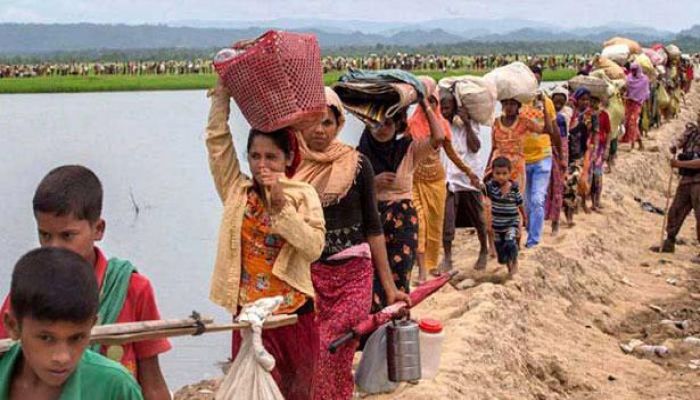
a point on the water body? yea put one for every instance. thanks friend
(149, 145)
(148, 149)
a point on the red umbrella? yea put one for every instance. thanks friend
(396, 310)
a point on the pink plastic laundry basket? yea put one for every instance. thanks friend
(276, 79)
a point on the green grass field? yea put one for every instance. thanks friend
(110, 83)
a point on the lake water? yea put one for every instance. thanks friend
(146, 144)
(151, 145)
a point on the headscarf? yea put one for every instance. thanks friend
(561, 90)
(332, 172)
(580, 92)
(418, 125)
(384, 156)
(296, 152)
(637, 84)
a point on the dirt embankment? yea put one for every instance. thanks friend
(554, 332)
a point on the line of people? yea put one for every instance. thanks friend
(332, 228)
(404, 61)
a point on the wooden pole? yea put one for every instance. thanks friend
(668, 205)
(118, 334)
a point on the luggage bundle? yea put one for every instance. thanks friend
(633, 46)
(619, 53)
(611, 69)
(276, 79)
(647, 66)
(615, 86)
(673, 52)
(597, 86)
(514, 81)
(373, 96)
(478, 95)
(656, 57)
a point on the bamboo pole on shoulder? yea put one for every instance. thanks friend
(119, 334)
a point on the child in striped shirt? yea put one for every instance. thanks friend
(507, 209)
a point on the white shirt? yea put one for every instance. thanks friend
(456, 179)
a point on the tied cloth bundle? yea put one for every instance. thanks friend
(249, 376)
(373, 96)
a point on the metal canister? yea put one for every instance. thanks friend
(403, 351)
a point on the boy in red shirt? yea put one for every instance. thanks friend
(67, 208)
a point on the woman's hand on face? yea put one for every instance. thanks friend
(385, 179)
(271, 182)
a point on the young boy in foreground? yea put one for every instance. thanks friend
(507, 209)
(67, 208)
(54, 307)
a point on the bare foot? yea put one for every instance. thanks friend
(445, 266)
(481, 262)
(555, 228)
(512, 268)
(422, 277)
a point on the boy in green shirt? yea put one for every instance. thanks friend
(54, 302)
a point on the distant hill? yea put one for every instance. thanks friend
(693, 32)
(38, 38)
(460, 35)
(465, 27)
(597, 35)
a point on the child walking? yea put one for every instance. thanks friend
(507, 209)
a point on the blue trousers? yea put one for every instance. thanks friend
(537, 175)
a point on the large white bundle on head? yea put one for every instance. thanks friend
(597, 86)
(478, 95)
(619, 53)
(249, 376)
(673, 51)
(514, 81)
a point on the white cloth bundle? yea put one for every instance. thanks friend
(249, 376)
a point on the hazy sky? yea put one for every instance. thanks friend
(667, 14)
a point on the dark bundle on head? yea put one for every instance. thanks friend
(52, 284)
(400, 120)
(501, 162)
(285, 140)
(70, 190)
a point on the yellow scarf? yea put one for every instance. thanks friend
(332, 172)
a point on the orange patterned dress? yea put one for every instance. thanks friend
(508, 142)
(259, 252)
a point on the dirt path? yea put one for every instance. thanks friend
(554, 332)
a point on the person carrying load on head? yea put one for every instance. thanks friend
(272, 229)
(429, 188)
(636, 94)
(464, 205)
(394, 157)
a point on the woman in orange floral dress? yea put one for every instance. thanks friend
(509, 132)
